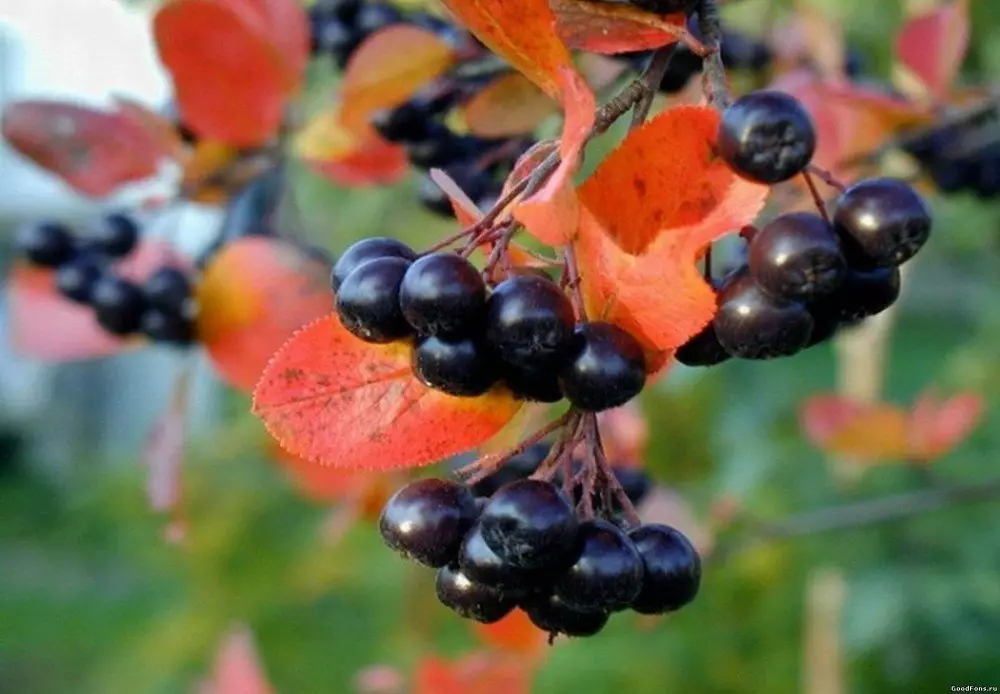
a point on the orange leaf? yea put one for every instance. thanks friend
(230, 83)
(253, 295)
(335, 400)
(823, 415)
(937, 427)
(48, 327)
(514, 634)
(349, 156)
(605, 27)
(389, 67)
(509, 105)
(877, 434)
(933, 44)
(647, 213)
(93, 151)
(476, 673)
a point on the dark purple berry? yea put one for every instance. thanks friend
(76, 278)
(115, 236)
(534, 385)
(529, 321)
(482, 565)
(634, 481)
(433, 198)
(826, 321)
(751, 324)
(373, 16)
(426, 520)
(665, 6)
(170, 327)
(767, 137)
(443, 294)
(365, 250)
(46, 244)
(549, 613)
(607, 575)
(414, 121)
(882, 221)
(472, 600)
(672, 569)
(368, 301)
(605, 368)
(862, 294)
(168, 289)
(704, 349)
(797, 256)
(458, 367)
(530, 524)
(118, 304)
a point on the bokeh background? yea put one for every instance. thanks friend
(95, 598)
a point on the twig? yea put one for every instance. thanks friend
(652, 78)
(488, 464)
(827, 177)
(572, 274)
(817, 198)
(712, 70)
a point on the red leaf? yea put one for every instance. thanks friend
(477, 673)
(163, 452)
(514, 634)
(509, 105)
(287, 27)
(335, 400)
(231, 80)
(47, 327)
(237, 667)
(349, 156)
(869, 433)
(823, 415)
(93, 151)
(254, 294)
(605, 27)
(937, 427)
(933, 44)
(647, 214)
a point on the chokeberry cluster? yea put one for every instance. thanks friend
(525, 546)
(161, 308)
(954, 165)
(805, 277)
(469, 336)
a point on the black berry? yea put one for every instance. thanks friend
(426, 520)
(529, 321)
(535, 385)
(797, 256)
(365, 250)
(482, 565)
(115, 236)
(530, 524)
(607, 575)
(443, 294)
(549, 613)
(162, 325)
(751, 324)
(672, 569)
(458, 367)
(882, 221)
(168, 289)
(472, 600)
(704, 349)
(373, 16)
(606, 368)
(118, 304)
(861, 295)
(665, 6)
(368, 301)
(76, 278)
(634, 481)
(47, 244)
(767, 136)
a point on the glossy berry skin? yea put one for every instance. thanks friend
(75, 279)
(365, 250)
(458, 367)
(751, 324)
(118, 305)
(426, 520)
(534, 385)
(170, 327)
(46, 244)
(607, 575)
(671, 569)
(530, 524)
(471, 600)
(605, 368)
(549, 613)
(882, 221)
(482, 565)
(797, 256)
(443, 294)
(704, 349)
(767, 137)
(168, 289)
(529, 321)
(862, 294)
(115, 236)
(368, 301)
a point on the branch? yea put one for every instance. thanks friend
(713, 72)
(652, 78)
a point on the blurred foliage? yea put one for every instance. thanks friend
(93, 600)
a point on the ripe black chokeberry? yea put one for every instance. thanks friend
(365, 250)
(76, 278)
(530, 524)
(118, 304)
(162, 325)
(665, 6)
(472, 600)
(535, 385)
(634, 481)
(433, 198)
(443, 294)
(549, 613)
(672, 569)
(168, 289)
(458, 367)
(368, 301)
(482, 565)
(751, 324)
(115, 235)
(767, 136)
(607, 575)
(797, 256)
(414, 120)
(529, 321)
(862, 294)
(605, 368)
(882, 221)
(373, 16)
(46, 244)
(426, 520)
(704, 349)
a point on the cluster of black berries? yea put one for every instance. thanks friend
(468, 336)
(954, 166)
(161, 309)
(524, 546)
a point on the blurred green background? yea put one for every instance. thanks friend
(93, 600)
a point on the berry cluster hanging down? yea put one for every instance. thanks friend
(161, 309)
(954, 161)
